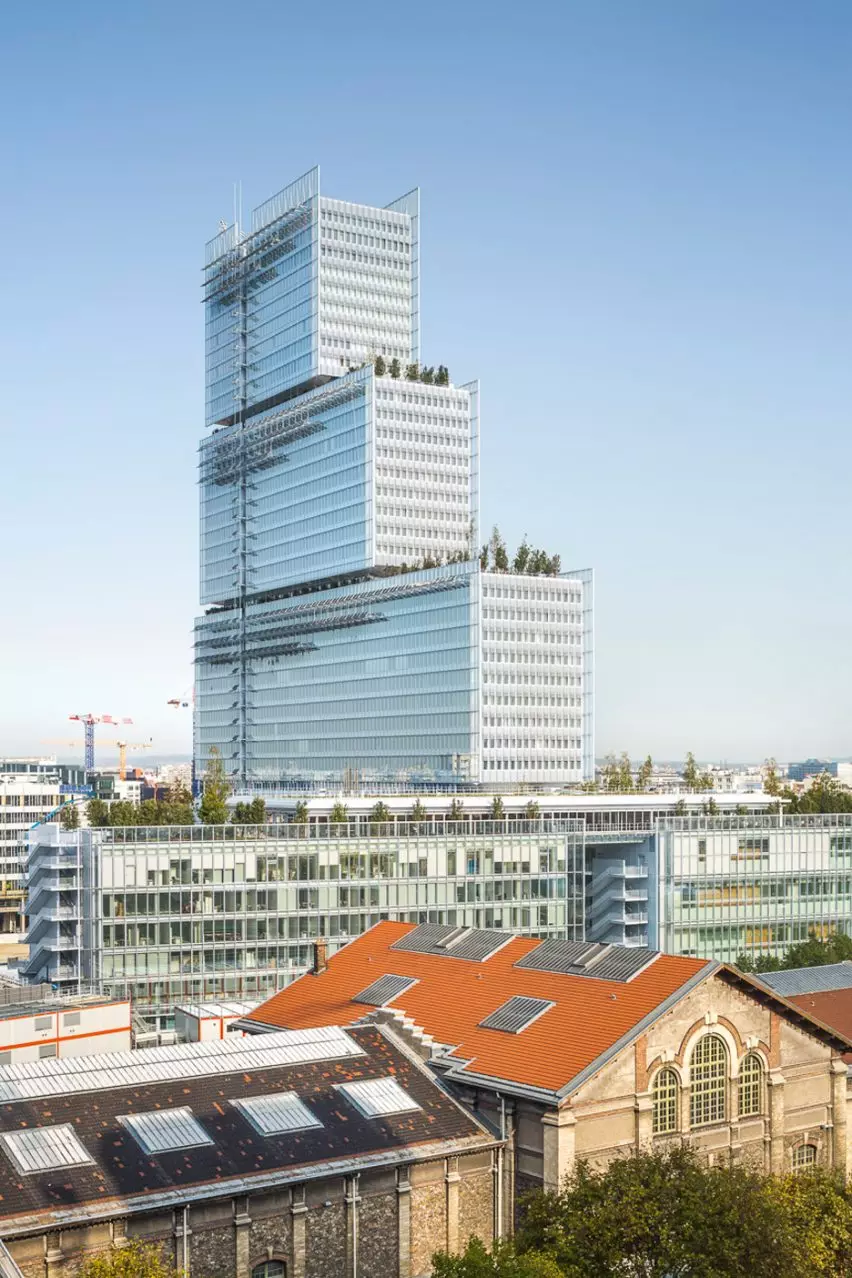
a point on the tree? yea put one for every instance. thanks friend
(213, 810)
(680, 807)
(418, 813)
(771, 784)
(69, 817)
(497, 553)
(97, 813)
(690, 772)
(380, 366)
(301, 815)
(483, 558)
(522, 557)
(456, 812)
(412, 372)
(131, 1260)
(442, 377)
(625, 774)
(339, 814)
(645, 773)
(666, 1215)
(427, 376)
(498, 812)
(394, 368)
(380, 816)
(503, 1262)
(257, 812)
(122, 812)
(532, 811)
(824, 794)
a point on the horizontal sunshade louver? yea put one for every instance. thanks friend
(278, 1113)
(162, 1130)
(384, 990)
(516, 1014)
(375, 1097)
(42, 1149)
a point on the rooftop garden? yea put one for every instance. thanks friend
(526, 561)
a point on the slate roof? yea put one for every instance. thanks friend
(453, 996)
(121, 1169)
(809, 980)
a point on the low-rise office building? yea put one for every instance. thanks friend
(574, 1050)
(29, 791)
(301, 1154)
(50, 1025)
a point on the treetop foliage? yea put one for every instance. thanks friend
(814, 952)
(132, 1260)
(665, 1215)
(494, 557)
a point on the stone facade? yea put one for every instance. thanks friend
(382, 1223)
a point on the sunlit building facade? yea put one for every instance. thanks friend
(346, 630)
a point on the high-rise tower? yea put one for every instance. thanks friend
(345, 628)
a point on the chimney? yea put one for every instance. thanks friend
(320, 956)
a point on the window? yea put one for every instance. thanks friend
(664, 1091)
(270, 1269)
(43, 1022)
(751, 1086)
(46, 1051)
(708, 1079)
(71, 1018)
(804, 1158)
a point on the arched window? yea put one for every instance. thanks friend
(664, 1090)
(751, 1086)
(804, 1158)
(708, 1071)
(270, 1269)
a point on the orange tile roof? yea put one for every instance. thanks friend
(452, 996)
(832, 1007)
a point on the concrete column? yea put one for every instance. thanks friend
(452, 1180)
(839, 1152)
(242, 1238)
(643, 1111)
(403, 1211)
(298, 1220)
(559, 1146)
(776, 1122)
(53, 1257)
(351, 1200)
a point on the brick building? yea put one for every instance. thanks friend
(574, 1050)
(293, 1155)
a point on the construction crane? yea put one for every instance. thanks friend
(123, 747)
(183, 702)
(88, 721)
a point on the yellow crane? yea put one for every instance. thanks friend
(123, 747)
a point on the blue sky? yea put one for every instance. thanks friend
(636, 233)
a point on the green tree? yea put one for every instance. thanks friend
(645, 773)
(412, 372)
(680, 807)
(418, 813)
(213, 809)
(69, 817)
(532, 811)
(825, 794)
(151, 812)
(339, 814)
(625, 774)
(611, 774)
(522, 557)
(427, 376)
(301, 816)
(771, 784)
(442, 377)
(380, 818)
(712, 807)
(503, 1262)
(122, 812)
(179, 794)
(483, 558)
(394, 368)
(456, 812)
(257, 812)
(665, 1215)
(497, 554)
(97, 813)
(690, 772)
(380, 366)
(497, 812)
(554, 566)
(131, 1260)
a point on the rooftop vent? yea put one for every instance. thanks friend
(41, 1149)
(376, 1097)
(516, 1014)
(385, 990)
(162, 1130)
(273, 1115)
(582, 958)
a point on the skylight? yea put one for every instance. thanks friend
(41, 1149)
(516, 1014)
(375, 1097)
(385, 990)
(278, 1113)
(162, 1130)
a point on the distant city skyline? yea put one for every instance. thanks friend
(635, 228)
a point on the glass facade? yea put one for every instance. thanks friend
(192, 912)
(324, 477)
(362, 680)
